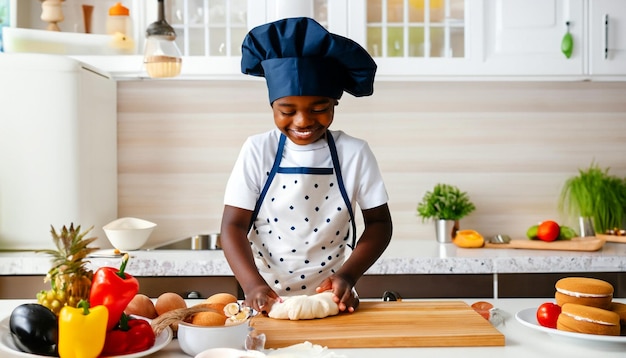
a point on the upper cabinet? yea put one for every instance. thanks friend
(607, 38)
(416, 37)
(407, 38)
(433, 38)
(525, 37)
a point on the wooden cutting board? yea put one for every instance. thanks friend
(612, 238)
(387, 324)
(589, 243)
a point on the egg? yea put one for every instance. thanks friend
(141, 305)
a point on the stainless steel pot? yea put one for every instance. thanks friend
(196, 242)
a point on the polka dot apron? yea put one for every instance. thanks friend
(301, 225)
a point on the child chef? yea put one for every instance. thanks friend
(288, 226)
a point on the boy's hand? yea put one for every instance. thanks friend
(261, 298)
(343, 294)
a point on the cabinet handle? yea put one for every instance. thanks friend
(606, 36)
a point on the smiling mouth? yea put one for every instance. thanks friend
(302, 133)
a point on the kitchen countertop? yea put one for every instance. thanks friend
(401, 257)
(520, 341)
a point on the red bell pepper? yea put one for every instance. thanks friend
(132, 335)
(114, 289)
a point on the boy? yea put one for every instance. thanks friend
(288, 217)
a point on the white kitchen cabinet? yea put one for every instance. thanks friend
(417, 37)
(409, 39)
(218, 27)
(607, 38)
(58, 149)
(523, 37)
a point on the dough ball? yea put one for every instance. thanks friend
(305, 307)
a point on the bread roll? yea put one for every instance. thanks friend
(584, 291)
(586, 319)
(620, 309)
(209, 319)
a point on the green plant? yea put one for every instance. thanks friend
(445, 202)
(595, 194)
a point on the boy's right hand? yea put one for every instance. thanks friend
(261, 298)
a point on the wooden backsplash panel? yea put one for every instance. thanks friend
(510, 145)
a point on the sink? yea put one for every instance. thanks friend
(197, 242)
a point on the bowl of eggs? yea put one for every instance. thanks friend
(224, 324)
(194, 339)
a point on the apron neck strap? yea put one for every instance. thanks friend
(270, 178)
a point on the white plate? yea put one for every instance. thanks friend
(7, 345)
(528, 318)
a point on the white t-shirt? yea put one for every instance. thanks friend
(361, 175)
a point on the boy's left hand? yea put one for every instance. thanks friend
(343, 294)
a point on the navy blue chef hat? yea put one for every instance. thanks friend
(299, 57)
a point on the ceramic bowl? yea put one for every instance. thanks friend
(194, 339)
(127, 234)
(229, 353)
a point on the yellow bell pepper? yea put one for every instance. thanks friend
(82, 331)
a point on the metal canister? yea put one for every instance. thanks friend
(214, 241)
(200, 242)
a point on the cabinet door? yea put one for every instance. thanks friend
(417, 37)
(607, 37)
(523, 37)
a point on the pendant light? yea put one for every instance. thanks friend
(162, 57)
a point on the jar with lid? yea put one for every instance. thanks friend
(119, 20)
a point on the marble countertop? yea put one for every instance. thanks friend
(401, 257)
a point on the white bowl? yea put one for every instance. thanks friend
(229, 353)
(127, 234)
(194, 339)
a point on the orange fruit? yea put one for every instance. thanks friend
(548, 231)
(468, 239)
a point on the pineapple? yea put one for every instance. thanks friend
(70, 280)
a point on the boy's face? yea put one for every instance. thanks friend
(304, 119)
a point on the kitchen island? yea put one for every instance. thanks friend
(520, 341)
(414, 264)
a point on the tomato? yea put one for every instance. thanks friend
(483, 308)
(548, 231)
(547, 314)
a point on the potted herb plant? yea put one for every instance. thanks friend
(597, 198)
(445, 205)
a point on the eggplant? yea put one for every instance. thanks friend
(34, 329)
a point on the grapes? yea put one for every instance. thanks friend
(50, 295)
(60, 295)
(56, 305)
(72, 301)
(53, 300)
